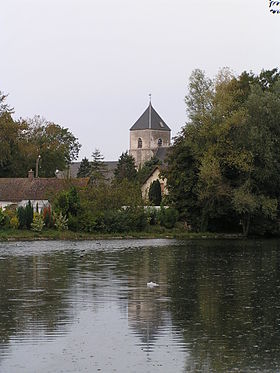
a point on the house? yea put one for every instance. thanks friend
(154, 175)
(18, 191)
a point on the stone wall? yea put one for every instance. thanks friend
(150, 143)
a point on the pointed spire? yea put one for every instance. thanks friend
(150, 120)
(150, 111)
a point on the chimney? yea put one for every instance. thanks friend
(30, 174)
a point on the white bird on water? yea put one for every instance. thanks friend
(152, 284)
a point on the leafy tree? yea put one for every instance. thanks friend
(102, 197)
(56, 145)
(84, 169)
(200, 98)
(224, 165)
(182, 175)
(13, 147)
(4, 107)
(126, 168)
(9, 135)
(68, 202)
(155, 193)
(24, 140)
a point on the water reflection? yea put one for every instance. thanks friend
(85, 306)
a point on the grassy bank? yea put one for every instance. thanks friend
(51, 234)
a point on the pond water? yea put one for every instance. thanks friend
(86, 307)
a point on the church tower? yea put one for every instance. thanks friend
(149, 136)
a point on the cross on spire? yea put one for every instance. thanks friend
(150, 111)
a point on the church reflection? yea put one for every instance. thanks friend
(147, 308)
(147, 314)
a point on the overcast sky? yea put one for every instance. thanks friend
(89, 65)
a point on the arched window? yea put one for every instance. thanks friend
(159, 142)
(139, 142)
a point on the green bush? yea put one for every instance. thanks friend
(25, 216)
(21, 217)
(60, 222)
(168, 217)
(115, 221)
(61, 202)
(152, 216)
(68, 202)
(2, 217)
(112, 221)
(29, 215)
(91, 222)
(47, 216)
(73, 223)
(125, 220)
(138, 218)
(38, 222)
(14, 223)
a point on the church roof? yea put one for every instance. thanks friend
(109, 168)
(150, 119)
(18, 189)
(162, 153)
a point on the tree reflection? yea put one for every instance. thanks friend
(227, 303)
(222, 296)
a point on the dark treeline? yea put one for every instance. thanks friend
(223, 172)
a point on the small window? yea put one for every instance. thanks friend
(159, 142)
(139, 143)
(161, 124)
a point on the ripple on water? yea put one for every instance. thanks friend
(70, 306)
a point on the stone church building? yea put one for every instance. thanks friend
(149, 136)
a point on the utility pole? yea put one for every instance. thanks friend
(37, 166)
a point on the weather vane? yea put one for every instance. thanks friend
(150, 96)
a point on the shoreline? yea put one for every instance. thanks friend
(53, 235)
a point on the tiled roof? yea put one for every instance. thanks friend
(150, 119)
(18, 189)
(162, 153)
(110, 167)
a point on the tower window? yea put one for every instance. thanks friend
(159, 142)
(139, 143)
